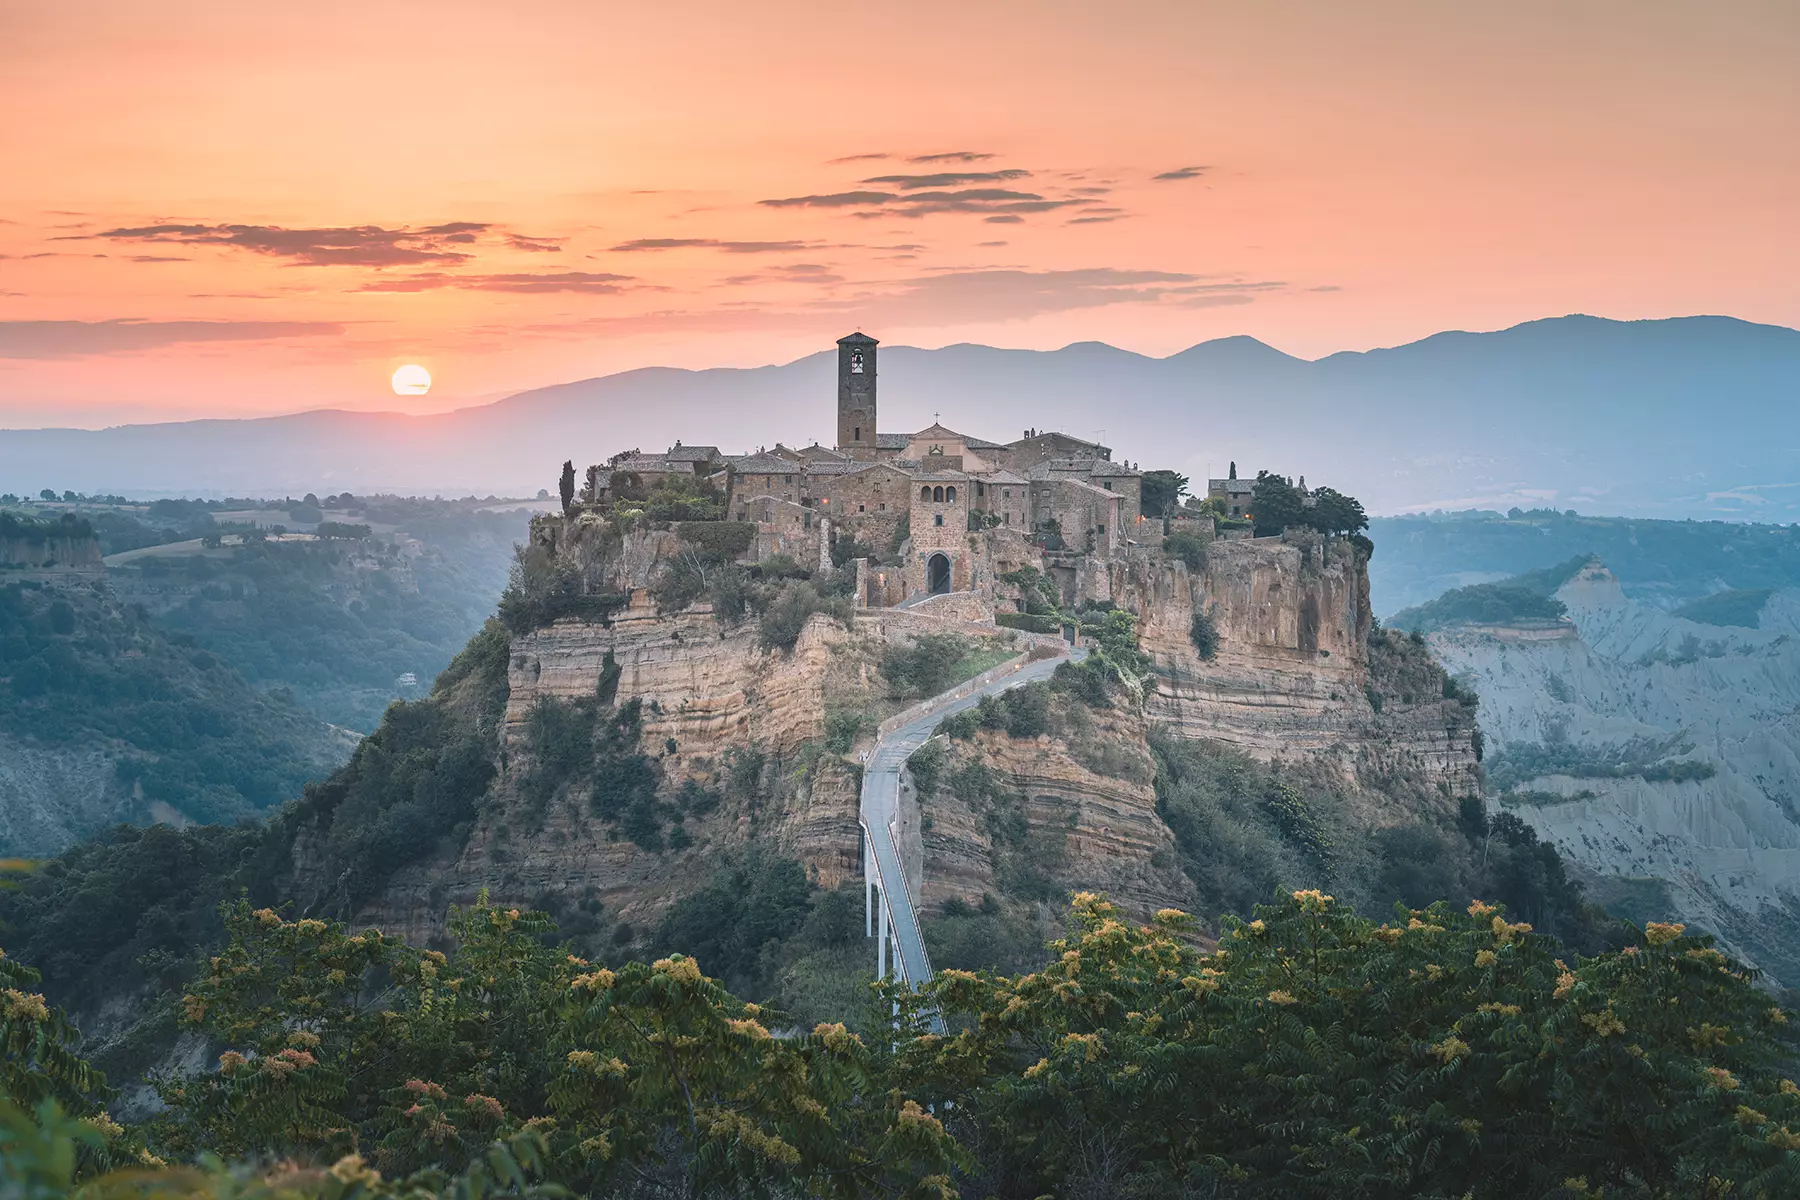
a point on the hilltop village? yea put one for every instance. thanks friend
(934, 513)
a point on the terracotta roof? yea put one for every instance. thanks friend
(1001, 476)
(892, 441)
(941, 477)
(692, 454)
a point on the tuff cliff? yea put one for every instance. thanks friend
(735, 743)
(1298, 673)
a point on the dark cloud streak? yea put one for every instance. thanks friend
(729, 247)
(593, 283)
(909, 183)
(341, 246)
(72, 339)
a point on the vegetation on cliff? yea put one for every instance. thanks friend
(1315, 1053)
(85, 675)
(1741, 607)
(1668, 562)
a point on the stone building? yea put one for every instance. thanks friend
(1231, 492)
(959, 510)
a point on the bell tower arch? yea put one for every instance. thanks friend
(856, 395)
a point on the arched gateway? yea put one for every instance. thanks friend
(937, 574)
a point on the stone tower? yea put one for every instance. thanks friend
(856, 395)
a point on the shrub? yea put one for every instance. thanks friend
(1029, 622)
(722, 539)
(926, 667)
(1205, 635)
(927, 767)
(788, 613)
(782, 566)
(1189, 548)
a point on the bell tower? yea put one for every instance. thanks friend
(856, 395)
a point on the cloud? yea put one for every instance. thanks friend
(339, 246)
(637, 244)
(1091, 220)
(538, 245)
(850, 158)
(1092, 191)
(1006, 220)
(991, 243)
(69, 339)
(595, 283)
(148, 258)
(909, 183)
(962, 156)
(948, 298)
(1184, 173)
(978, 200)
(956, 297)
(833, 200)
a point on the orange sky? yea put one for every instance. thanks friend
(213, 208)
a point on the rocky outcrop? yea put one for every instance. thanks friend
(1088, 824)
(1721, 838)
(1292, 676)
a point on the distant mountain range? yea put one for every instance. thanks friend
(1686, 417)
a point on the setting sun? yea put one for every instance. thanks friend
(412, 380)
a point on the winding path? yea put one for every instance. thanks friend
(892, 917)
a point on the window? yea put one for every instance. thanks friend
(950, 495)
(938, 519)
(1008, 518)
(787, 479)
(859, 508)
(1106, 484)
(925, 494)
(1007, 493)
(856, 434)
(856, 362)
(980, 488)
(937, 497)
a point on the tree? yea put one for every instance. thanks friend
(1162, 492)
(1335, 513)
(1320, 1054)
(1275, 504)
(47, 494)
(566, 485)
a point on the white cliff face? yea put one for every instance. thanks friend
(1726, 846)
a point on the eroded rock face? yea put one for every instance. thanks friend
(710, 690)
(1720, 839)
(1292, 674)
(1092, 824)
(1292, 662)
(1292, 679)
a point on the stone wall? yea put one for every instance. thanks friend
(1088, 516)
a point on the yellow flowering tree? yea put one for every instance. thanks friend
(1317, 1053)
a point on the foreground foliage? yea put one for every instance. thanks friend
(1317, 1053)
